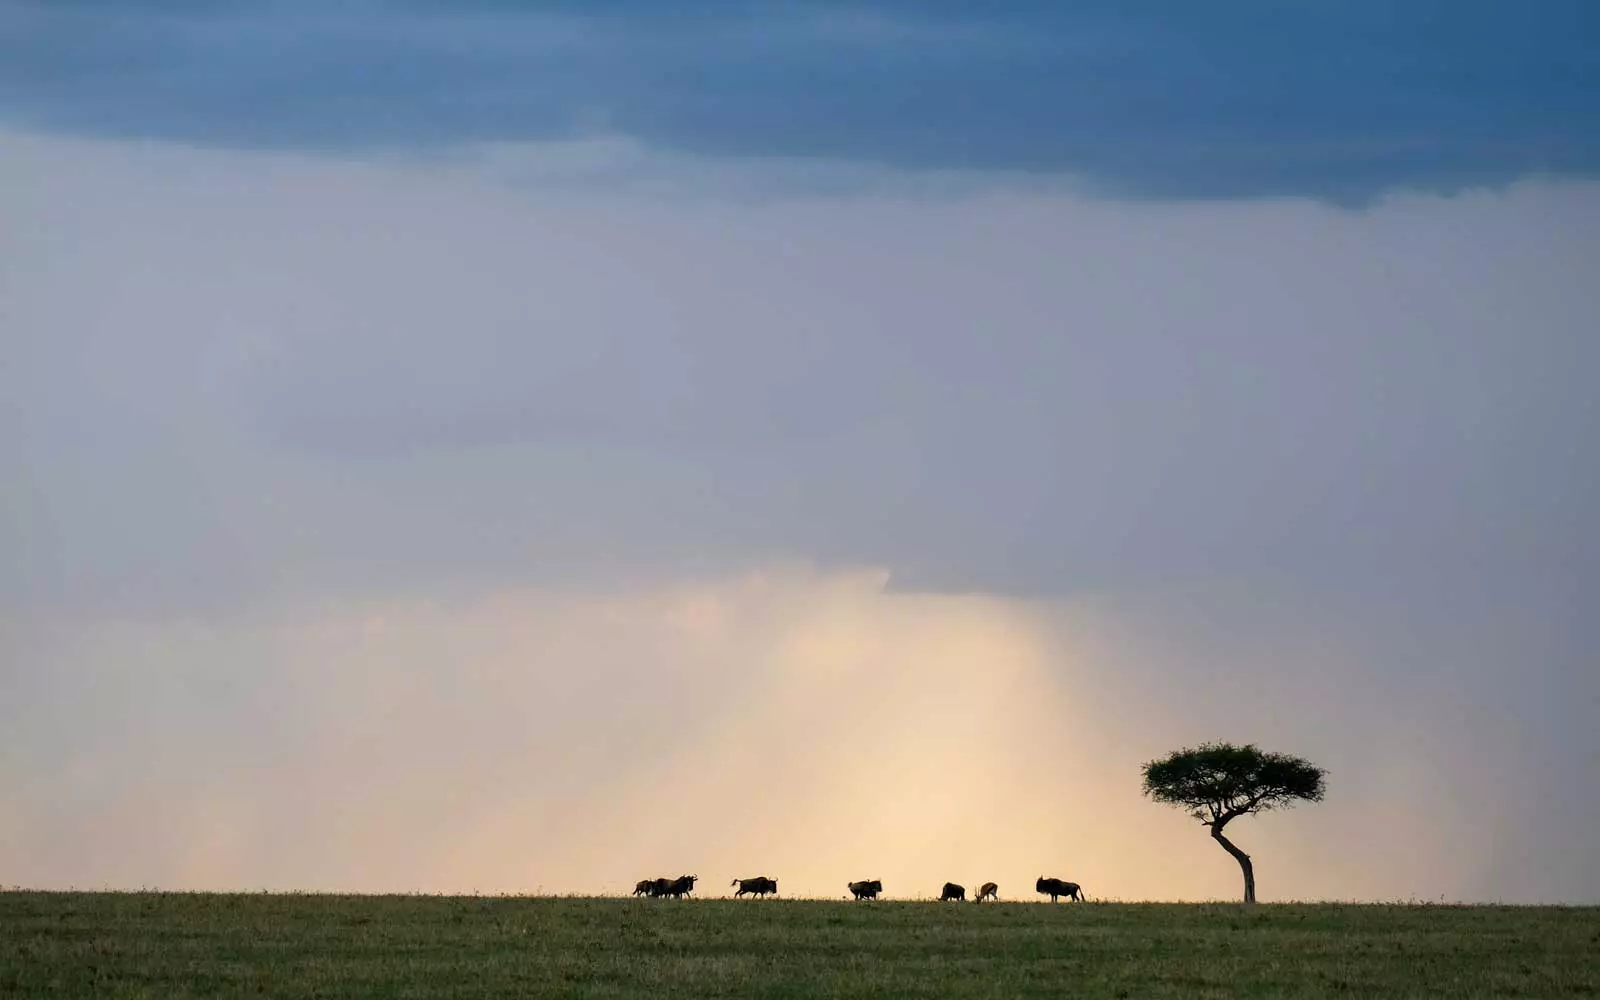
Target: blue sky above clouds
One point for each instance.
(1339, 101)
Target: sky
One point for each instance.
(520, 448)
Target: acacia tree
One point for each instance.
(1219, 782)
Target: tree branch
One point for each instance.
(1235, 812)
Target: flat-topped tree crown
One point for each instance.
(1219, 782)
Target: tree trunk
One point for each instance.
(1239, 856)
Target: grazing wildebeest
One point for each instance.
(680, 886)
(1054, 887)
(760, 885)
(953, 891)
(989, 891)
(865, 890)
(646, 887)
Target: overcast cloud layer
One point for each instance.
(340, 487)
(1017, 393)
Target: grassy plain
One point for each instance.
(121, 945)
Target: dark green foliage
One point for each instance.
(172, 947)
(1218, 781)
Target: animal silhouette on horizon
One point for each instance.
(758, 886)
(658, 888)
(681, 886)
(953, 892)
(988, 891)
(1054, 887)
(865, 890)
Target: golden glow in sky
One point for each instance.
(812, 727)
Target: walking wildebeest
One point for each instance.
(1054, 887)
(760, 885)
(646, 887)
(989, 891)
(953, 891)
(680, 886)
(865, 890)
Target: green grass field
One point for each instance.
(179, 945)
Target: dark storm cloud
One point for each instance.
(1161, 99)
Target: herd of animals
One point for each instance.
(678, 888)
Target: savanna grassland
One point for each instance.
(119, 945)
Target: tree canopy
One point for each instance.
(1219, 781)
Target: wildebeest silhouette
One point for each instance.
(988, 891)
(760, 885)
(653, 887)
(953, 891)
(680, 886)
(1054, 887)
(865, 890)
